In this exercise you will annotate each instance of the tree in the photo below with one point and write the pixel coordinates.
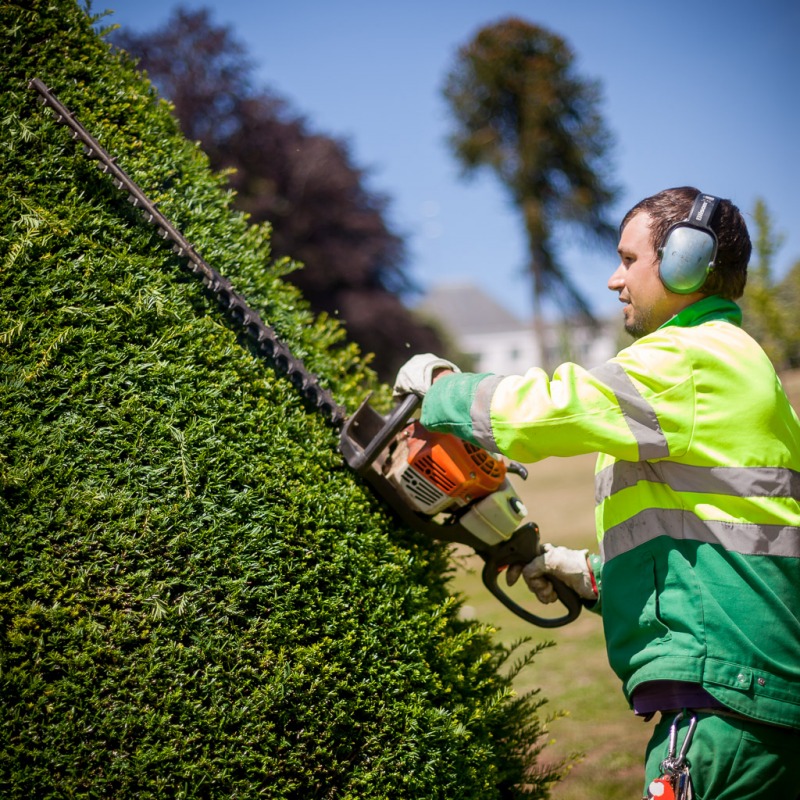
(789, 301)
(196, 599)
(520, 110)
(763, 312)
(303, 183)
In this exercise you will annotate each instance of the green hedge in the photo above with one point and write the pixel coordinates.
(197, 598)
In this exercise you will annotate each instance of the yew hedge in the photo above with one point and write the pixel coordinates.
(197, 597)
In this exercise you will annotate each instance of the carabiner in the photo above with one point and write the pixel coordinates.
(671, 763)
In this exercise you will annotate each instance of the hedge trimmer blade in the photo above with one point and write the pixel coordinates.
(244, 317)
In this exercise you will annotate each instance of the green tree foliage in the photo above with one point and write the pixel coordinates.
(764, 310)
(789, 301)
(303, 183)
(521, 110)
(197, 599)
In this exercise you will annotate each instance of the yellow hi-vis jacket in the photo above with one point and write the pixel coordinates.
(697, 499)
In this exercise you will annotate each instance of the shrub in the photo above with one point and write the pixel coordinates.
(197, 598)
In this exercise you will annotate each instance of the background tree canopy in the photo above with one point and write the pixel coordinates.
(197, 598)
(304, 184)
(770, 308)
(520, 109)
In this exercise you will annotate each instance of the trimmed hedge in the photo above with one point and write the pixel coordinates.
(197, 598)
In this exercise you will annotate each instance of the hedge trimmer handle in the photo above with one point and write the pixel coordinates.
(522, 548)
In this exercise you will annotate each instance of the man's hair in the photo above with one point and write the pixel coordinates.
(729, 276)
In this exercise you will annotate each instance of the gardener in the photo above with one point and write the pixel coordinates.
(697, 486)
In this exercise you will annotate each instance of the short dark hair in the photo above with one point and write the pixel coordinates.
(729, 276)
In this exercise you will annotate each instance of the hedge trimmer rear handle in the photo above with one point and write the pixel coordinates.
(522, 548)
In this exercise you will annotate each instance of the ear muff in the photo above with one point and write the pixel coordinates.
(689, 249)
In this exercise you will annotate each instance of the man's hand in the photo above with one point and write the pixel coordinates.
(416, 375)
(569, 566)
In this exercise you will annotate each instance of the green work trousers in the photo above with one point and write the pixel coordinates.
(731, 758)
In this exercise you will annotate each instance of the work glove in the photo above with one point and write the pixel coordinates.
(416, 375)
(569, 566)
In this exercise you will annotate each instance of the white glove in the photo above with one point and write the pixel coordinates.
(416, 375)
(569, 566)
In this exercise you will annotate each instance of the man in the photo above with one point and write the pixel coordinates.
(697, 486)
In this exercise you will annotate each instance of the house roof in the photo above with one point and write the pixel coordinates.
(464, 308)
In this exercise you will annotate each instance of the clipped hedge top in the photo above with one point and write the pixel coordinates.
(197, 598)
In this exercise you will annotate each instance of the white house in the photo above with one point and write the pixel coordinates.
(499, 342)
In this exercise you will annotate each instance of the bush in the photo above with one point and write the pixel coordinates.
(197, 598)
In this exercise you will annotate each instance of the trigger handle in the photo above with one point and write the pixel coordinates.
(522, 548)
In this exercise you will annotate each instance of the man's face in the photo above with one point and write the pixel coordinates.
(648, 303)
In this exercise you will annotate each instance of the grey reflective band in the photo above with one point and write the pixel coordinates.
(731, 481)
(481, 412)
(748, 539)
(638, 413)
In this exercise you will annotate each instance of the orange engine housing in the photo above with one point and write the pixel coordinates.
(453, 472)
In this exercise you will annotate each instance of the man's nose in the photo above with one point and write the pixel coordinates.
(617, 280)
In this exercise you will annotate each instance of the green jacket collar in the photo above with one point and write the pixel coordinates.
(705, 310)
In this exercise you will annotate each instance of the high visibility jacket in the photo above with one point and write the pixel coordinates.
(697, 499)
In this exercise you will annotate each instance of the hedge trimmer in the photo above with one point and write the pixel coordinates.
(437, 484)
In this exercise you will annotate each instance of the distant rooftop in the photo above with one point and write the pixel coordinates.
(464, 308)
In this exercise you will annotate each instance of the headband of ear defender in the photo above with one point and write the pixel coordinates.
(689, 249)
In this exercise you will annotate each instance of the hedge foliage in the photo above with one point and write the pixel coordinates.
(197, 598)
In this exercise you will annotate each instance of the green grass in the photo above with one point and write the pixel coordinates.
(573, 675)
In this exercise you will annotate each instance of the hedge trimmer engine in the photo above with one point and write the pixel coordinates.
(438, 473)
(451, 490)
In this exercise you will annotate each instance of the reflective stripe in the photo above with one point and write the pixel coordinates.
(639, 414)
(736, 537)
(481, 412)
(733, 481)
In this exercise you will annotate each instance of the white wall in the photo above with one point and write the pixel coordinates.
(514, 352)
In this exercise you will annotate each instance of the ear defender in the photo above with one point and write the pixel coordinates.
(689, 249)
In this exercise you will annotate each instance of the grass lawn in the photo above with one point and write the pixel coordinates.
(574, 675)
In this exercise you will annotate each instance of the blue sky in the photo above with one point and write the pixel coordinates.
(694, 93)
